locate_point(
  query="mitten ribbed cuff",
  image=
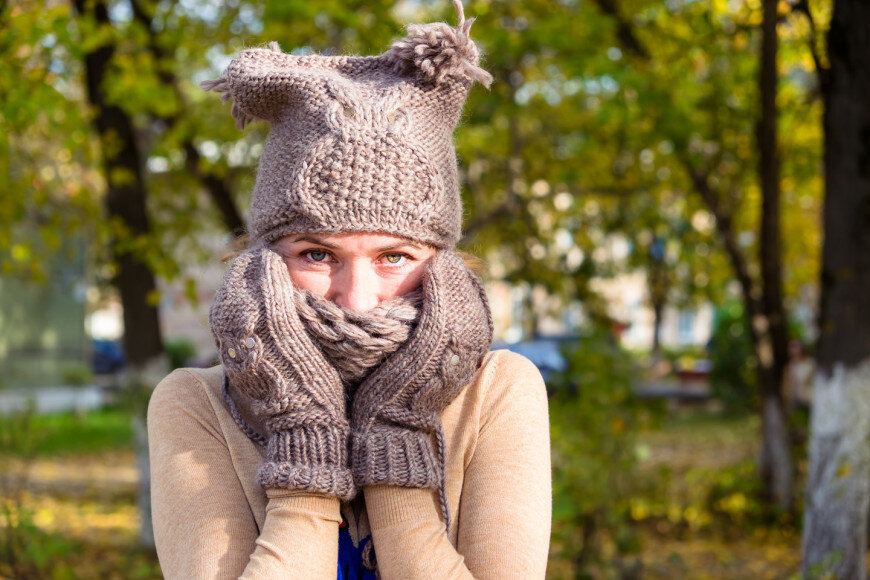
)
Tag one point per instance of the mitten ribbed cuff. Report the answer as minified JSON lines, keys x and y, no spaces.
{"x":312,"y":458}
{"x":395,"y":456}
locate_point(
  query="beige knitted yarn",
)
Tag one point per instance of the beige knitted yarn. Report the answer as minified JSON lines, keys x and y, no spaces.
{"x":358,"y":143}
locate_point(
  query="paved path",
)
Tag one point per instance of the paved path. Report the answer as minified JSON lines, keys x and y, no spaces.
{"x":49,"y":400}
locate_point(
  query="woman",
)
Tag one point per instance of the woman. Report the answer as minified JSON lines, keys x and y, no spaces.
{"x":358,"y":424}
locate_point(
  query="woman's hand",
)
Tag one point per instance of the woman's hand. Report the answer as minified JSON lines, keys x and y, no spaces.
{"x":296,"y":394}
{"x":398,"y":407}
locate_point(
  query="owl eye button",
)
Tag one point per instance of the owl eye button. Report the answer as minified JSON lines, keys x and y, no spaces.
{"x":454,"y":360}
{"x":232,"y":352}
{"x":349,"y":112}
{"x":249,"y":342}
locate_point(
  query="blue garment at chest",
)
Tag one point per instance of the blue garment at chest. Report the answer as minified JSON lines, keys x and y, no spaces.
{"x":350,"y":562}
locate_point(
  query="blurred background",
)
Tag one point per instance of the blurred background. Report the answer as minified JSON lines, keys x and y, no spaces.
{"x":645,"y":182}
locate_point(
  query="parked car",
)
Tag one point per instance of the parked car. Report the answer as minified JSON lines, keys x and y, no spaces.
{"x":544,"y":352}
{"x":107,"y":356}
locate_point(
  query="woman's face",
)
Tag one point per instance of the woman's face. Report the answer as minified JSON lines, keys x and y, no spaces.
{"x":354,"y":270}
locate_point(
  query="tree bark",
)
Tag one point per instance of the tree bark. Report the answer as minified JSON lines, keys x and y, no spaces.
{"x":838,"y":486}
{"x":125,"y":201}
{"x":126,"y":204}
{"x":772,"y":346}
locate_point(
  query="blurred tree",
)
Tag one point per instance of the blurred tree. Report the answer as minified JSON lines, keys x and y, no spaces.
{"x":732,"y":377}
{"x":710,"y":127}
{"x":768,"y":324}
{"x":596,"y":419}
{"x":126,"y":192}
{"x":838,"y":487}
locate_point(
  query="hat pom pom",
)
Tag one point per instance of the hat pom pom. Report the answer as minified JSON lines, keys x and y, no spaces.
{"x":438,"y":50}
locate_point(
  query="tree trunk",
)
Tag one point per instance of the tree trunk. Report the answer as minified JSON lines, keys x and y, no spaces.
{"x":838,"y":486}
{"x":776,"y":466}
{"x":771,"y":340}
{"x":125,"y":200}
{"x":764,"y":310}
{"x":658,"y":309}
{"x":143,"y":489}
{"x":658,"y":292}
{"x":126,"y":205}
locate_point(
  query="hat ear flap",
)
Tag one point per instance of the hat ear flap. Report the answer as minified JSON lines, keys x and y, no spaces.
{"x":259,"y":81}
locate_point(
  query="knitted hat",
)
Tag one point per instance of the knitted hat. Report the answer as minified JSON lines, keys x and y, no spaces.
{"x":358,"y":143}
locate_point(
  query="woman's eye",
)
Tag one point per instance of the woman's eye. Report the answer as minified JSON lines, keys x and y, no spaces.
{"x":316,"y":255}
{"x":394,"y":258}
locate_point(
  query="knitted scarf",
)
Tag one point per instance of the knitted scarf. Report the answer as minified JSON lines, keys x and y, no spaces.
{"x":355,"y":343}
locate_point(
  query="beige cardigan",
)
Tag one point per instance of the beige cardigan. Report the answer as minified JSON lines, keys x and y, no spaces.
{"x":212,"y":520}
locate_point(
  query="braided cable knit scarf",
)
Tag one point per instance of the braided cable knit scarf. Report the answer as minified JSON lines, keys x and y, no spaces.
{"x":355,"y":343}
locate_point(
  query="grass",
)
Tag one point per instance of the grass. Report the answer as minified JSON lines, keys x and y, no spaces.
{"x":64,"y":434}
{"x":67,"y":498}
{"x":694,"y":508}
{"x":696,"y":518}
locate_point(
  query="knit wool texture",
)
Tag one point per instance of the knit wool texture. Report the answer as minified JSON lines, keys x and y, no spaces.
{"x":355,"y":343}
{"x":358,"y":143}
{"x":397,"y":409}
{"x":434,"y":339}
{"x":297,"y":394}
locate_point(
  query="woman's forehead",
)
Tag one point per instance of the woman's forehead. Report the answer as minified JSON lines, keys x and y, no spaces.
{"x":354,"y":240}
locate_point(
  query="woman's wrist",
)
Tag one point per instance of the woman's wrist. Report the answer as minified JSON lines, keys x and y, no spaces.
{"x":300,"y":502}
{"x":388,"y":505}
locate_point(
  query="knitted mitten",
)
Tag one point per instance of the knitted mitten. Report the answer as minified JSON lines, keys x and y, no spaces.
{"x":297,"y":395}
{"x":397,"y":409}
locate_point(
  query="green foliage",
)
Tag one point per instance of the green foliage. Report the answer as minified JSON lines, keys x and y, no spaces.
{"x":735,"y":496}
{"x":579,"y":141}
{"x":736,"y":501}
{"x":180,"y":352}
{"x":77,"y":375}
{"x":733,"y":375}
{"x":595,"y":419}
{"x":26,"y":551}
{"x":66,"y":433}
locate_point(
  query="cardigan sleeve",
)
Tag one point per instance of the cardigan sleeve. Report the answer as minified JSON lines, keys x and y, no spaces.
{"x":203,"y":524}
{"x":506,"y":500}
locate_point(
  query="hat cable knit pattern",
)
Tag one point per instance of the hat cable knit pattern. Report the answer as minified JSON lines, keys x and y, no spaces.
{"x":358,"y":143}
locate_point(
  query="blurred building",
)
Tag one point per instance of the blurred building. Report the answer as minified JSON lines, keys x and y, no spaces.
{"x":628,"y":302}
{"x":42,"y":325}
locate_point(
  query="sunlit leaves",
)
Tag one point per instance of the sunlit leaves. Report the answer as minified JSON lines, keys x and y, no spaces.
{"x":571,"y":108}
